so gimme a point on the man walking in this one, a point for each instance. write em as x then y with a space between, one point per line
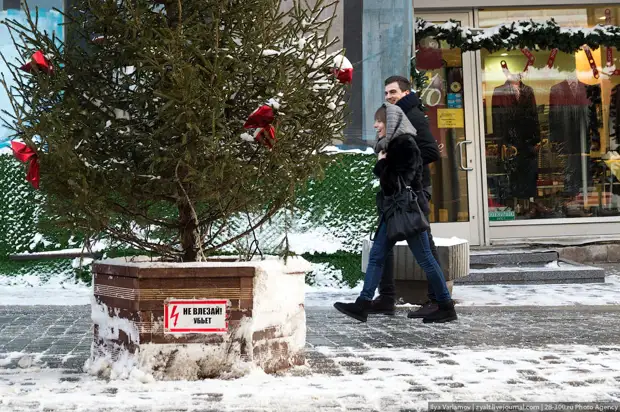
398 92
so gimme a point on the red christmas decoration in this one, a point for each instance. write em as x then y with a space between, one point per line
344 76
266 136
261 119
39 60
552 56
26 155
530 58
342 69
591 61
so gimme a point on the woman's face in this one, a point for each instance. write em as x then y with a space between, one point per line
380 127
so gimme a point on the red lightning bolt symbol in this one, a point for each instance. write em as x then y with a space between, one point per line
174 315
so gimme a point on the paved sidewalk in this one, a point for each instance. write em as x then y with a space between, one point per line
60 337
511 354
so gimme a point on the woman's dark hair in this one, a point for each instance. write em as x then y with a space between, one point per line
381 115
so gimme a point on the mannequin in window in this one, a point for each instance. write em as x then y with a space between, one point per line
614 119
574 130
516 124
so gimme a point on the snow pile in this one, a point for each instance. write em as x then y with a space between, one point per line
278 293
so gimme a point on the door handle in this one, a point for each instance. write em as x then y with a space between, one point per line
459 146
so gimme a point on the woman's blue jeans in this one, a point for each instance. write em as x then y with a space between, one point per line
421 251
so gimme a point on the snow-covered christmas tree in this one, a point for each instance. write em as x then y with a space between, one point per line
155 123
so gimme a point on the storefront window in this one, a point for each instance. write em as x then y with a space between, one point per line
552 132
49 20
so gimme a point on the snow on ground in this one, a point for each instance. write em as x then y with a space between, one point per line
328 288
38 290
607 293
400 378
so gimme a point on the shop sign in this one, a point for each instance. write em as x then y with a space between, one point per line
501 215
450 118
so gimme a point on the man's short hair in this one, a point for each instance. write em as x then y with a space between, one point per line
403 82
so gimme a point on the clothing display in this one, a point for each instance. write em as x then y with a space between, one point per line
516 126
569 132
614 119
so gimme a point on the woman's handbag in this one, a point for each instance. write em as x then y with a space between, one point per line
403 215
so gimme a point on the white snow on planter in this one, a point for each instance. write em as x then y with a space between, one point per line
110 325
174 361
459 374
279 299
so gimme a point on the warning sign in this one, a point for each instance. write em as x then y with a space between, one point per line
195 316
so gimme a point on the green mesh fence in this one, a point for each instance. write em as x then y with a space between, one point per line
332 215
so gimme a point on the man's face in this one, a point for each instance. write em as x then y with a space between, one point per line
393 93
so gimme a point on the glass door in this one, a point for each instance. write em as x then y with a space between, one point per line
450 102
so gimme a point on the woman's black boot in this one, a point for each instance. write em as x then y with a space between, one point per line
358 310
444 313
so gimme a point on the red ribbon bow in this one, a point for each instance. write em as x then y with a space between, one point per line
26 155
262 118
342 69
39 60
344 76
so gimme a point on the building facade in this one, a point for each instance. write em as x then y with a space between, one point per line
529 140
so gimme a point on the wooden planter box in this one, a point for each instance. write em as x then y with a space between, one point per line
410 279
265 310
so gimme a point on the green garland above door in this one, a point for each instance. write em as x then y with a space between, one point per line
519 35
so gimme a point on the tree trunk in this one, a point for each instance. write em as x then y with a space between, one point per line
188 225
188 230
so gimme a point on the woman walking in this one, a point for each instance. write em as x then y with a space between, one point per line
399 161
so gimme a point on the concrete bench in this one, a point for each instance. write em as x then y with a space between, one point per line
411 282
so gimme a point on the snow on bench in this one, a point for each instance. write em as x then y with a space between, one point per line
57 254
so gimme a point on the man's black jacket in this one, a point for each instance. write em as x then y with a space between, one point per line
410 104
